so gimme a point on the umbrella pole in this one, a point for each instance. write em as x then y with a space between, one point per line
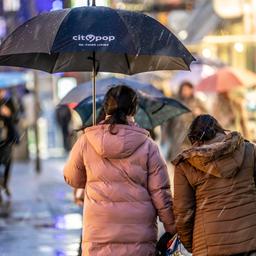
36 127
94 90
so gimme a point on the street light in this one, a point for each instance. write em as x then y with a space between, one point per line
239 47
183 34
207 53
228 9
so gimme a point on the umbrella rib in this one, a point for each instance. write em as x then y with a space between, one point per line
63 18
158 109
180 66
55 61
127 62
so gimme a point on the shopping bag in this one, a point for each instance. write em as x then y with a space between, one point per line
176 248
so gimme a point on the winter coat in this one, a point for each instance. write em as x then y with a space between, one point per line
126 187
215 196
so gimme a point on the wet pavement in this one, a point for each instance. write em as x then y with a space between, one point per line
41 219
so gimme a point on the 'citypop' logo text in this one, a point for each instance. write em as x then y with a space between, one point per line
93 38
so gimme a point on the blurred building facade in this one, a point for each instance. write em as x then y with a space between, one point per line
224 29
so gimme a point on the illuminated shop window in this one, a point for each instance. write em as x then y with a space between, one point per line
11 5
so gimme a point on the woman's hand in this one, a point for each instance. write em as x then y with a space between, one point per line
171 229
79 196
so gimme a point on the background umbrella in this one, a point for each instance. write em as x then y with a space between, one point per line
226 79
83 91
152 111
94 39
198 72
200 69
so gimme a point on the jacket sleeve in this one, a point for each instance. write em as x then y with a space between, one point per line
74 170
184 207
159 189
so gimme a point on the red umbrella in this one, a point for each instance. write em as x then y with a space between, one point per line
226 79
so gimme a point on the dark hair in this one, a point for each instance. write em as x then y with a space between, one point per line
120 101
203 128
184 84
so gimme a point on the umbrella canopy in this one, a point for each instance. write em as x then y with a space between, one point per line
81 38
198 72
11 79
83 91
200 69
226 79
152 111
94 39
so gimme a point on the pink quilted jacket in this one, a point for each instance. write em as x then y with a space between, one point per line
126 188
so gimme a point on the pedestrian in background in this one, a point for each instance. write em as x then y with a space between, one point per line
9 136
214 191
187 96
64 117
125 179
174 132
230 110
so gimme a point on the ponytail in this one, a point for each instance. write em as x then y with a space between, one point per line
119 102
118 117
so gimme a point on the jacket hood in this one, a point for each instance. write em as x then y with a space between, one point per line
126 140
220 157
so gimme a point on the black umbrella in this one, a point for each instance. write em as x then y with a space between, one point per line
94 39
152 111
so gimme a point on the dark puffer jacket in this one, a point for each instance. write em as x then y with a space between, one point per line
215 196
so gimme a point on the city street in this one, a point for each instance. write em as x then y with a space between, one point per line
148 107
41 219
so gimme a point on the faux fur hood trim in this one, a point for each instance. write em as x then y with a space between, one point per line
221 157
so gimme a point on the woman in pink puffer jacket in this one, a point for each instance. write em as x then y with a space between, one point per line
125 180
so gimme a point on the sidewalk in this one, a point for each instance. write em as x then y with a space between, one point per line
41 219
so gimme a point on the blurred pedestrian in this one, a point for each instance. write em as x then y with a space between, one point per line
174 137
64 117
125 179
230 110
187 96
8 137
214 191
223 111
29 115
